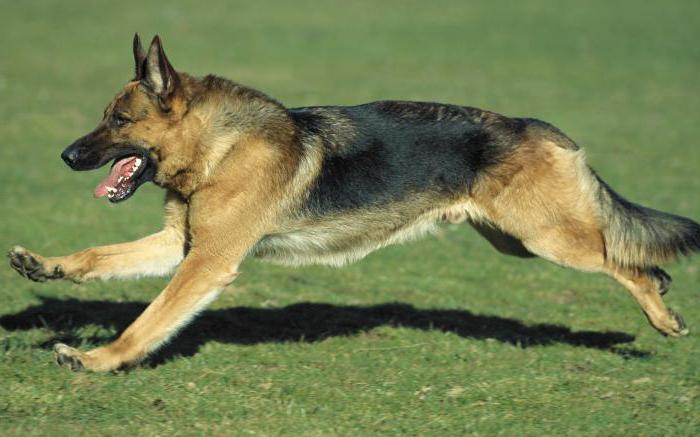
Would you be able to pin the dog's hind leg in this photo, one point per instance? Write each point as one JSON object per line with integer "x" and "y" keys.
{"x": 647, "y": 287}
{"x": 581, "y": 246}
{"x": 583, "y": 250}
{"x": 154, "y": 255}
{"x": 553, "y": 205}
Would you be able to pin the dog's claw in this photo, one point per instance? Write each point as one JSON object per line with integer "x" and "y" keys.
{"x": 67, "y": 356}
{"x": 682, "y": 327}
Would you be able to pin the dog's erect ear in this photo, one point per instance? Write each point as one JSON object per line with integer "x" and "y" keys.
{"x": 139, "y": 56}
{"x": 157, "y": 74}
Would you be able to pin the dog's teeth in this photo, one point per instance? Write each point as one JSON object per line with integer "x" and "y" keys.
{"x": 121, "y": 178}
{"x": 138, "y": 162}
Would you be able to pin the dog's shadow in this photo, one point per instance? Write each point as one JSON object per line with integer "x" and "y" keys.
{"x": 303, "y": 322}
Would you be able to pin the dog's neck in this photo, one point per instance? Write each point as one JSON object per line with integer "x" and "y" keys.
{"x": 215, "y": 124}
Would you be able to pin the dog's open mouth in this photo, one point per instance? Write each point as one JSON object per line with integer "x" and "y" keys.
{"x": 124, "y": 178}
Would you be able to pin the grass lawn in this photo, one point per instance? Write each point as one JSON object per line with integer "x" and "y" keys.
{"x": 442, "y": 336}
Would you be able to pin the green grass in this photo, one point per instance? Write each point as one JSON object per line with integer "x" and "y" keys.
{"x": 443, "y": 336}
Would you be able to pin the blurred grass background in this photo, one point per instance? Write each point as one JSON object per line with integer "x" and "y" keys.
{"x": 476, "y": 343}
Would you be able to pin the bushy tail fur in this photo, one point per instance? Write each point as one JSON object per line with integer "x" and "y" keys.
{"x": 640, "y": 237}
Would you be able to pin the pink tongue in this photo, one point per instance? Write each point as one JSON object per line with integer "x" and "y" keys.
{"x": 119, "y": 169}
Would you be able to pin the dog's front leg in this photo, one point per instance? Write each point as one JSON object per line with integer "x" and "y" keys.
{"x": 223, "y": 228}
{"x": 197, "y": 282}
{"x": 155, "y": 255}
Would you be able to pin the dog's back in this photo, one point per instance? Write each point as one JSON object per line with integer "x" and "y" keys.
{"x": 384, "y": 152}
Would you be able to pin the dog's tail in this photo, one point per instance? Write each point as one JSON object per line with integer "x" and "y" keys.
{"x": 640, "y": 237}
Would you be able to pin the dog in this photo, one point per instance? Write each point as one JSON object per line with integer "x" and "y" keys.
{"x": 246, "y": 176}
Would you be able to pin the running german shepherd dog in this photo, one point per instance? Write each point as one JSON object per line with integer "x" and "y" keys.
{"x": 246, "y": 176}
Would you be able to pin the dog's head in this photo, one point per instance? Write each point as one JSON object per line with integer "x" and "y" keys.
{"x": 137, "y": 127}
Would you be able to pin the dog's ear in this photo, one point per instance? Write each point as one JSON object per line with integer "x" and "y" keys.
{"x": 139, "y": 56}
{"x": 158, "y": 75}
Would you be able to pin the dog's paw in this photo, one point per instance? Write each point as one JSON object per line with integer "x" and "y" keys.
{"x": 27, "y": 265}
{"x": 672, "y": 325}
{"x": 67, "y": 356}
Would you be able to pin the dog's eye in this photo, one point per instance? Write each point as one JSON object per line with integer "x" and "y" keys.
{"x": 120, "y": 120}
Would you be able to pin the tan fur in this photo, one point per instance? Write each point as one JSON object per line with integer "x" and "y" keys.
{"x": 542, "y": 197}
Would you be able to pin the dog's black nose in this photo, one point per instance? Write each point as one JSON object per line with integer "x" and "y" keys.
{"x": 70, "y": 156}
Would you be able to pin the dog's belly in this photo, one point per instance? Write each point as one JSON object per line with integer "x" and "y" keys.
{"x": 337, "y": 243}
{"x": 343, "y": 239}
